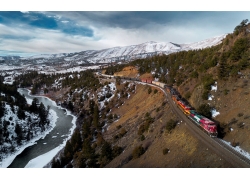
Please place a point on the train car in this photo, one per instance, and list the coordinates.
(185, 108)
(206, 124)
(195, 116)
(209, 126)
(162, 85)
(146, 80)
(168, 88)
(175, 98)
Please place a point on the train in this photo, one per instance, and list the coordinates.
(203, 122)
(206, 124)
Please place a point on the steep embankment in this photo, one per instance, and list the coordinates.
(230, 75)
(181, 148)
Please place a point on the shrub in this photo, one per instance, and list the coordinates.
(241, 125)
(188, 95)
(122, 132)
(119, 127)
(155, 91)
(226, 91)
(149, 90)
(205, 95)
(171, 125)
(141, 129)
(240, 114)
(204, 110)
(116, 151)
(194, 74)
(165, 151)
(138, 151)
(142, 138)
(234, 144)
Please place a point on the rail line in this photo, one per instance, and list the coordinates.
(224, 150)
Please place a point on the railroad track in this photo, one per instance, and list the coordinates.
(224, 150)
(232, 150)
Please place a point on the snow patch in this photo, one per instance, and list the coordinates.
(238, 149)
(9, 159)
(210, 97)
(214, 113)
(214, 87)
(43, 160)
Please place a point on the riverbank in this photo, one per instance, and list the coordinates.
(10, 157)
(44, 159)
(47, 157)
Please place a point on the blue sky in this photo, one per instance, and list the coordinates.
(37, 32)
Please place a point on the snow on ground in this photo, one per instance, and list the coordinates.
(47, 157)
(214, 113)
(214, 87)
(73, 69)
(8, 80)
(29, 101)
(210, 98)
(7, 161)
(237, 148)
(7, 68)
(110, 88)
(44, 159)
(53, 117)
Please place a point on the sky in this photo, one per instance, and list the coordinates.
(30, 31)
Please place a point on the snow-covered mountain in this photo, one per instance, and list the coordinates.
(126, 53)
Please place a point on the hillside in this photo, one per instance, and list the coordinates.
(122, 123)
(162, 149)
(20, 122)
(216, 76)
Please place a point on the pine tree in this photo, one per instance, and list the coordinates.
(19, 133)
(76, 140)
(96, 117)
(33, 107)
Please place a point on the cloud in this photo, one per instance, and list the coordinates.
(42, 20)
(57, 32)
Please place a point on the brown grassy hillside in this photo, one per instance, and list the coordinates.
(185, 150)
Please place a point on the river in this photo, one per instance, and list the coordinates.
(56, 137)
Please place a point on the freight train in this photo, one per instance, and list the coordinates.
(206, 124)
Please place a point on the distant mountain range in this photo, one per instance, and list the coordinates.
(114, 54)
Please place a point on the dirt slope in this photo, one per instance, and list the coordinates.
(185, 150)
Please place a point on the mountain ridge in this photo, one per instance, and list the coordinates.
(123, 53)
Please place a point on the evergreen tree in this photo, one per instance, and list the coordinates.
(240, 47)
(68, 152)
(21, 114)
(96, 117)
(205, 110)
(43, 114)
(71, 106)
(106, 151)
(76, 140)
(2, 109)
(19, 133)
(34, 107)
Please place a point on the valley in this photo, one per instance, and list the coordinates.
(123, 121)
